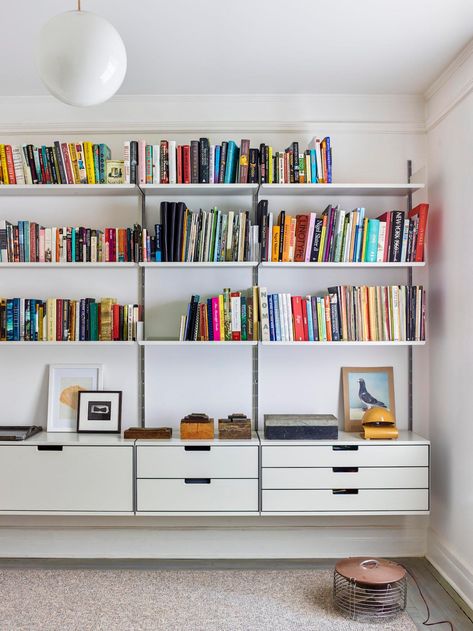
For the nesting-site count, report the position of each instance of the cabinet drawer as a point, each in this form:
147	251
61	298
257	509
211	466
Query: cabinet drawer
194	461
347	478
197	495
305	501
64	478
346	456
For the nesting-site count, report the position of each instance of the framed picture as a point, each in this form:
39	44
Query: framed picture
99	411
364	388
65	381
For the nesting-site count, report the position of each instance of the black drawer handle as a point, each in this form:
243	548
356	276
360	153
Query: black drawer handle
345	491
345	469
49	447
345	448
197	448
197	480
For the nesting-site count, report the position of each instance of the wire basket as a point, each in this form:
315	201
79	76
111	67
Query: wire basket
366	595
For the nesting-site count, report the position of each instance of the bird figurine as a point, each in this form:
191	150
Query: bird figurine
367	400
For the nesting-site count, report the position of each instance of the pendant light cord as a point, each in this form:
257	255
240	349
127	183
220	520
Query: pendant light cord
427	622
78	5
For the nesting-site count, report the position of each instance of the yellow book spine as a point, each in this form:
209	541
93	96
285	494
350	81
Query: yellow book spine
185	236
89	162
255	313
308	172
287	238
75	166
271	166
3	162
320	256
275	250
221	311
51	319
365	239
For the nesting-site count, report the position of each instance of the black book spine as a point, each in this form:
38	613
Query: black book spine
282	217
164	220
133	161
171	227
204	161
246	253
31	162
223	162
314	251
253	167
397	226
52	165
194	161
62	171
295	162
262	163
410	241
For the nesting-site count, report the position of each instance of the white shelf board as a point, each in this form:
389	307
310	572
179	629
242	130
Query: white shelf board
208	343
341	265
89	343
162	190
63	265
238	264
343	343
352	190
70	190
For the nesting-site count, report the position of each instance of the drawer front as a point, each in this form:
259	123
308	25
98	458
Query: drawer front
197	495
72	479
347	478
194	461
339	456
300	501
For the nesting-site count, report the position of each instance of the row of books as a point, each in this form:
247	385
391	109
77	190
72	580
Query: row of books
346	313
30	242
64	320
343	237
60	163
202	235
200	162
230	316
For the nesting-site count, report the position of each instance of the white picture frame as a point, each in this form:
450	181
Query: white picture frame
64	382
99	411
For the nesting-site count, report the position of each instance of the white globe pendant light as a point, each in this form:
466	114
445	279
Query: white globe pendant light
82	58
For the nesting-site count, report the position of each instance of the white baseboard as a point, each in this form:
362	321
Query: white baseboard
454	571
239	541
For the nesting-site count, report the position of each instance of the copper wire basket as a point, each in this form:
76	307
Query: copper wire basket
369	590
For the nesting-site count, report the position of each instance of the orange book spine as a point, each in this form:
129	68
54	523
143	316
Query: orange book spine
328	319
10	165
275	249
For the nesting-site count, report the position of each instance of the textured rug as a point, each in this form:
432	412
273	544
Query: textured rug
174	600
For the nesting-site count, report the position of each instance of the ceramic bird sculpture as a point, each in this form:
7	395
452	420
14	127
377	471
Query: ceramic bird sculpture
367	400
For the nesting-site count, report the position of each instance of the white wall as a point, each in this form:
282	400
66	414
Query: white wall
450	151
373	137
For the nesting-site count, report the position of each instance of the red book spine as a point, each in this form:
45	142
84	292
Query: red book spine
305	323
422	211
66	158
179	164
297	318
186	152
115	322
10	166
302	228
33	254
328	319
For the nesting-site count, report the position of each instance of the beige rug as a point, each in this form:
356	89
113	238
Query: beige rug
174	600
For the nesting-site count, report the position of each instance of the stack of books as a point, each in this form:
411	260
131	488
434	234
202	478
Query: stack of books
345	313
60	163
64	320
30	242
214	236
231	316
200	162
343	237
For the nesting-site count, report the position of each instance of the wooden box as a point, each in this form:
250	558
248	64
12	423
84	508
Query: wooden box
235	427
148	433
197	426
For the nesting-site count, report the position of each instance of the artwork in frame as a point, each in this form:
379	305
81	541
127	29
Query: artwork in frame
99	411
364	388
65	382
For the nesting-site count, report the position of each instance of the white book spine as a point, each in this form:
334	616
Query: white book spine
212	165
156	164
270	237
22	319
318	158
241	237
18	165
264	314
402	312
26	166
172	162
405	235
126	160
290	326
255	254
182	328
395	311
235	309
310	237
281	168
381	240
282	319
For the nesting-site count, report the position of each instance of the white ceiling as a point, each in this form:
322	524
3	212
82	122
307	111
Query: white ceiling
257	46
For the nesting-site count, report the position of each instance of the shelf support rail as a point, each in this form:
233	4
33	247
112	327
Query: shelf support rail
410	411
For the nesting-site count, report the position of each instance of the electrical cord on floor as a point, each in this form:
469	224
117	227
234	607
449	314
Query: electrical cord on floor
426	621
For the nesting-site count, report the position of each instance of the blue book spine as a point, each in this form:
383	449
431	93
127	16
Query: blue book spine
277	318
217	234
329	159
21	241
372	241
209	318
231	162
16	319
33	319
313	166
272	329
310	324
218	150
359	235
26	237
159	246
73	245
9	322
44	153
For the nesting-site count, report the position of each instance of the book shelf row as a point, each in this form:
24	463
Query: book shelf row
252	343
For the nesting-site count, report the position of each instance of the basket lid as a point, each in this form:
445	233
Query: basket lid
370	571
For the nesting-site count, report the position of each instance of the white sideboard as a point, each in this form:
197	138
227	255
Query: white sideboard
82	474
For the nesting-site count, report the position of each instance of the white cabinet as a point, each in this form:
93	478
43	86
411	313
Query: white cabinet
350	476
197	477
67	477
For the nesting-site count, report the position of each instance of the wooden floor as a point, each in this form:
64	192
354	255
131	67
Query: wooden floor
441	603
